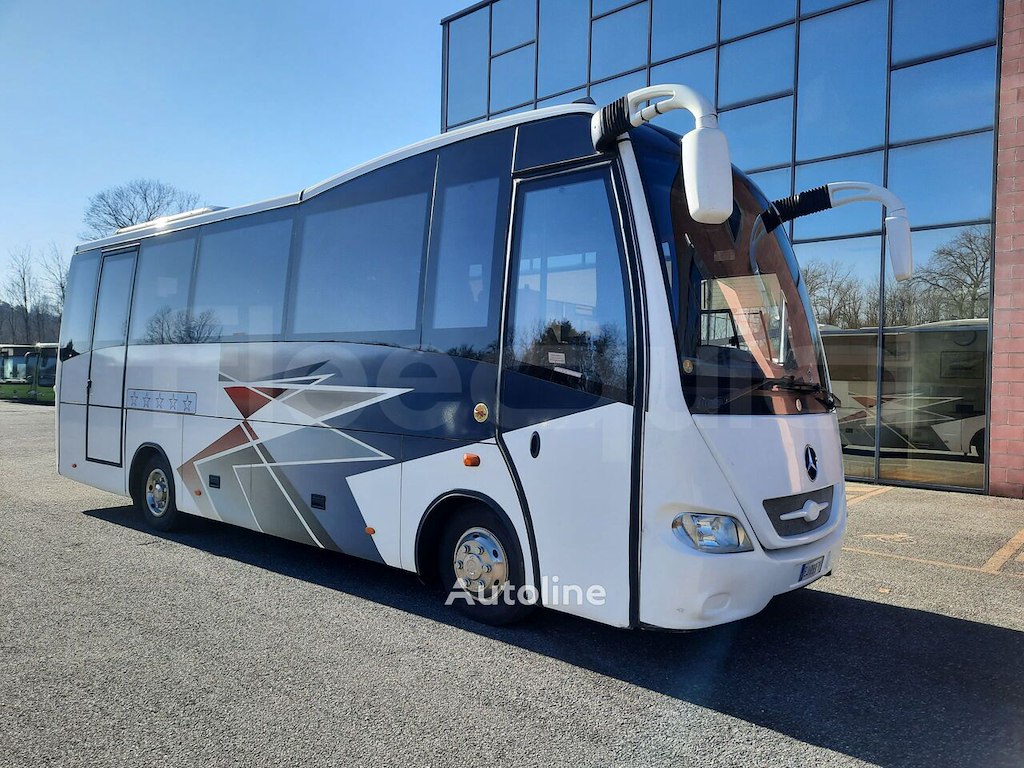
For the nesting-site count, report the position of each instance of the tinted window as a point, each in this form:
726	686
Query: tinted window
757	66
761	134
564	98
697	71
512	78
842	282
774	184
240	277
603	6
570	322
742	16
76	322
553	140
361	256
944	182
160	301
468	53
809	6
619	42
842	81
847	219
112	303
564	27
680	26
924	27
944	96
513	22
468	234
610	90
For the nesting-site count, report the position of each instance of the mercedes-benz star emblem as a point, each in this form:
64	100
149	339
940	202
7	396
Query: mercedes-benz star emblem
811	462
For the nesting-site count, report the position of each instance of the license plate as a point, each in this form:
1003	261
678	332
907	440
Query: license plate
813	568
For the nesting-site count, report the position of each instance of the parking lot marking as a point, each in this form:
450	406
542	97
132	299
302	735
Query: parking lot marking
1002	557
939	563
870	494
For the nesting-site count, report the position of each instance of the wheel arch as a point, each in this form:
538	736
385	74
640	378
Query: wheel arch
142	455
431	525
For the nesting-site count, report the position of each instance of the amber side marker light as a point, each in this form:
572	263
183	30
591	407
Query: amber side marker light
471	460
198	492
74	466
370	530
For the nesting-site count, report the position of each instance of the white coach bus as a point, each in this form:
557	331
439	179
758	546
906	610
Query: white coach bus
563	353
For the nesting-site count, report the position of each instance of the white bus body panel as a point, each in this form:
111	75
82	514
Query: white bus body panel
426	479
578	491
697	465
763	458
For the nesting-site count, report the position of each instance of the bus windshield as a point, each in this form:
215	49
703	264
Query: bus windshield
745	334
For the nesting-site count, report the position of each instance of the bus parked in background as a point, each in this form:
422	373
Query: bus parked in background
930	409
28	372
562	350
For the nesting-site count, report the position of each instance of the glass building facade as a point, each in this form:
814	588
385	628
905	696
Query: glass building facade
902	93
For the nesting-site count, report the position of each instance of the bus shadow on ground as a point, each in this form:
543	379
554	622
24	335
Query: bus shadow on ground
888	685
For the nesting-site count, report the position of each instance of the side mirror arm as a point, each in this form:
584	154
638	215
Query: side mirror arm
707	170
837	193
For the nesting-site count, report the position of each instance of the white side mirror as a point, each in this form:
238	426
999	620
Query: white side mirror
707	175
897	234
707	168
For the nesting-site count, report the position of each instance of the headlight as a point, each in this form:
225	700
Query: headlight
712	533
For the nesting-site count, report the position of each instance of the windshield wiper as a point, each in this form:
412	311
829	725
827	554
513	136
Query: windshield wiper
790	384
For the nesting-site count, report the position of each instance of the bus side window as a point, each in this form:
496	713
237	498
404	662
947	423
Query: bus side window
160	313
570	322
76	321
470	223
358	275
240	278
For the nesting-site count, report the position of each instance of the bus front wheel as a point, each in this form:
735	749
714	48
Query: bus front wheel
481	565
154	497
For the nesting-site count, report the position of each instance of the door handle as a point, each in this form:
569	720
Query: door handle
535	445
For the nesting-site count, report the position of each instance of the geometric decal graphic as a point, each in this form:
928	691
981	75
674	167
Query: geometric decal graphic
909	420
269	468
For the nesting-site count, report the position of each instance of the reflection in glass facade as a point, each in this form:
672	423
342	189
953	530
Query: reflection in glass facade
895	92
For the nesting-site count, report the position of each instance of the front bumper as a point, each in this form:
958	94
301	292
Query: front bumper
684	589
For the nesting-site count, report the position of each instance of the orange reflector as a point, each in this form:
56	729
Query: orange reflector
471	460
198	492
370	530
74	466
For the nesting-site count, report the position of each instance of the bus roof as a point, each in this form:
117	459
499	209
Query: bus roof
158	227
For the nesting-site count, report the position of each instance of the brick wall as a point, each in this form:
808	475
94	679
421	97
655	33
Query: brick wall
1006	441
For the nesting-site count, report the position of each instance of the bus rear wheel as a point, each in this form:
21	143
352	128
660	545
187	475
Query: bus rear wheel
978	444
481	567
154	496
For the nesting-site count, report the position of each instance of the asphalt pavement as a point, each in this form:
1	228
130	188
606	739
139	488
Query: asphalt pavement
217	646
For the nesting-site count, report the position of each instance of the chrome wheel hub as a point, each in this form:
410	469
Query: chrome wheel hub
158	494
480	563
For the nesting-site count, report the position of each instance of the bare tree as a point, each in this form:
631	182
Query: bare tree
55	276
133	203
21	290
182	327
958	275
836	295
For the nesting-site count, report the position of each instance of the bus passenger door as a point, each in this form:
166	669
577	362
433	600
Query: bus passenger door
565	408
105	387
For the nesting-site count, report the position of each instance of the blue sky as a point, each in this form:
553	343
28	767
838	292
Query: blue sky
237	101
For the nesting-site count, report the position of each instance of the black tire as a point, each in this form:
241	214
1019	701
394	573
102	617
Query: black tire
155	499
978	444
501	604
